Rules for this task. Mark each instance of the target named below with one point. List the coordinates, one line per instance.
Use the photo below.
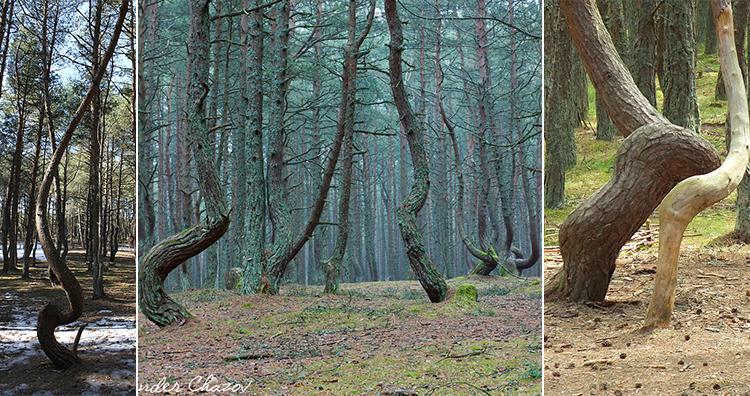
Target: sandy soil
(374, 338)
(107, 345)
(595, 349)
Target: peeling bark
(693, 195)
(654, 157)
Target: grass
(370, 338)
(596, 160)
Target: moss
(466, 295)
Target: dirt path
(107, 345)
(372, 339)
(593, 349)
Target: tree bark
(678, 78)
(255, 234)
(94, 183)
(173, 251)
(742, 225)
(10, 209)
(431, 280)
(29, 245)
(612, 14)
(696, 193)
(52, 315)
(591, 237)
(331, 268)
(643, 38)
(559, 101)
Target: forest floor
(377, 338)
(596, 349)
(107, 345)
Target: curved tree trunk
(654, 157)
(332, 267)
(173, 251)
(51, 315)
(490, 260)
(648, 164)
(423, 267)
(166, 256)
(693, 195)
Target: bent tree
(510, 257)
(168, 254)
(655, 156)
(696, 193)
(53, 315)
(423, 267)
(332, 266)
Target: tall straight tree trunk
(115, 237)
(279, 209)
(255, 238)
(6, 21)
(168, 254)
(678, 82)
(643, 39)
(705, 13)
(442, 186)
(742, 225)
(612, 14)
(94, 184)
(147, 231)
(29, 245)
(10, 210)
(559, 105)
(317, 178)
(369, 208)
(423, 267)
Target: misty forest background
(481, 59)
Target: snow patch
(18, 335)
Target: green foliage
(533, 370)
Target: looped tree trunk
(489, 260)
(167, 255)
(52, 315)
(175, 250)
